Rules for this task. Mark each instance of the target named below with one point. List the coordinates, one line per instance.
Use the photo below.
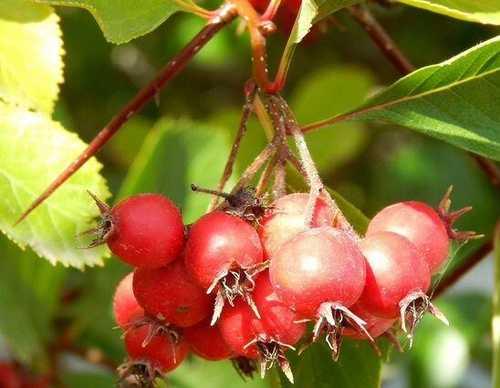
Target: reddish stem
(222, 17)
(381, 38)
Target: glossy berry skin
(286, 219)
(206, 341)
(317, 266)
(160, 352)
(169, 294)
(239, 325)
(394, 269)
(147, 231)
(218, 242)
(125, 307)
(8, 376)
(420, 224)
(376, 326)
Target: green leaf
(455, 101)
(358, 366)
(355, 216)
(213, 375)
(496, 311)
(174, 155)
(314, 10)
(30, 54)
(33, 151)
(29, 295)
(124, 20)
(481, 11)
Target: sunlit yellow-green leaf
(481, 11)
(124, 20)
(30, 54)
(33, 151)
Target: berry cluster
(238, 286)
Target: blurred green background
(185, 138)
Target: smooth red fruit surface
(376, 326)
(147, 231)
(125, 307)
(420, 224)
(217, 242)
(286, 220)
(319, 265)
(239, 325)
(206, 341)
(169, 294)
(394, 269)
(160, 352)
(8, 376)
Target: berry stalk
(221, 18)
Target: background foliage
(185, 138)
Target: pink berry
(375, 326)
(239, 326)
(146, 231)
(321, 265)
(219, 242)
(420, 224)
(169, 294)
(206, 341)
(286, 219)
(125, 307)
(158, 352)
(9, 377)
(394, 269)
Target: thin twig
(465, 267)
(311, 173)
(381, 38)
(266, 177)
(278, 119)
(489, 167)
(223, 16)
(250, 91)
(255, 166)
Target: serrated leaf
(174, 155)
(124, 20)
(455, 101)
(481, 11)
(31, 52)
(358, 366)
(314, 10)
(33, 151)
(25, 285)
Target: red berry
(207, 342)
(318, 266)
(394, 270)
(158, 352)
(8, 376)
(218, 242)
(420, 224)
(169, 294)
(125, 307)
(286, 220)
(146, 231)
(239, 325)
(375, 326)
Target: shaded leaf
(31, 64)
(358, 366)
(481, 11)
(174, 155)
(124, 20)
(33, 151)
